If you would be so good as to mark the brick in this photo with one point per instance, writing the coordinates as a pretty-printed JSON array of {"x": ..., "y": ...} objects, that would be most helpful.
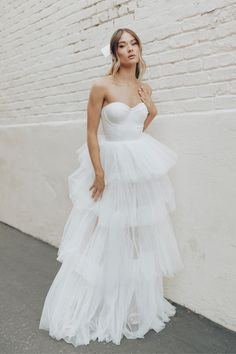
[{"x": 52, "y": 54}]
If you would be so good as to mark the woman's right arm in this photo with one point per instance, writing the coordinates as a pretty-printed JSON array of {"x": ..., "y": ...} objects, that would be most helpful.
[{"x": 94, "y": 106}]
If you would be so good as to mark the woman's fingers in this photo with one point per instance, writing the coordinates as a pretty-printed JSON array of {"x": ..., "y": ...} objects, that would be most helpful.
[
  {"x": 142, "y": 92},
  {"x": 97, "y": 187},
  {"x": 94, "y": 192},
  {"x": 97, "y": 195},
  {"x": 97, "y": 192}
]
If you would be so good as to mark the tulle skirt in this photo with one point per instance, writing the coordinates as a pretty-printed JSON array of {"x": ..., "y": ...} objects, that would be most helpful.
[{"x": 116, "y": 250}]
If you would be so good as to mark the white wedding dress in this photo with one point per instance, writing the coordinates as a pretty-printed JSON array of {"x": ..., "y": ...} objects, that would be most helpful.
[{"x": 115, "y": 251}]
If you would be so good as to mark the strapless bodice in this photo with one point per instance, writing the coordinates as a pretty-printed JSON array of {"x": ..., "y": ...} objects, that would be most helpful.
[{"x": 122, "y": 122}]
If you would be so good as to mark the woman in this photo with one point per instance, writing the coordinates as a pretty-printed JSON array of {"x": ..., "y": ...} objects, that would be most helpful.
[{"x": 118, "y": 241}]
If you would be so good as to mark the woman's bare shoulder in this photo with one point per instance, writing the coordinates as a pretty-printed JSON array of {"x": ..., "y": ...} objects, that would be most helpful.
[
  {"x": 99, "y": 88},
  {"x": 102, "y": 82}
]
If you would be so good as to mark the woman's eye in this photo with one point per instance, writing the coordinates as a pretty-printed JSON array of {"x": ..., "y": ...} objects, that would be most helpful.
[{"x": 121, "y": 46}]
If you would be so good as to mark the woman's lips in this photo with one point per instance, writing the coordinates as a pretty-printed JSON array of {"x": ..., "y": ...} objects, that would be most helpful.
[{"x": 131, "y": 56}]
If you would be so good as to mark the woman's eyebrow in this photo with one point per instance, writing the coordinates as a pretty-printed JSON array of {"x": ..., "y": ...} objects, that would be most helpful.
[{"x": 125, "y": 41}]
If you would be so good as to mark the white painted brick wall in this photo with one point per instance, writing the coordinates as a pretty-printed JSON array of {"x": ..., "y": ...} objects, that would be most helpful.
[{"x": 50, "y": 55}]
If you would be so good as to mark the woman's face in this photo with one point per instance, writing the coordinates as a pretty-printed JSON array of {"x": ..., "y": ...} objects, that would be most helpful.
[{"x": 128, "y": 46}]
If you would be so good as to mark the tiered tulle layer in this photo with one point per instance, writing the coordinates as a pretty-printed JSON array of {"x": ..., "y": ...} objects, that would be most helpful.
[{"x": 114, "y": 251}]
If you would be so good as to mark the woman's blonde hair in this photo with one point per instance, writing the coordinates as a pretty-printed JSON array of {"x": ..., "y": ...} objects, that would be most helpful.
[{"x": 140, "y": 66}]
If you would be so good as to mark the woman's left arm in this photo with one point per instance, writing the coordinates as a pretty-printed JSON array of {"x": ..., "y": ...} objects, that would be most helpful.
[{"x": 145, "y": 92}]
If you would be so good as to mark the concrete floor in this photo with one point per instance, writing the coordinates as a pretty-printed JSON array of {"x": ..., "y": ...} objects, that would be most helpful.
[{"x": 28, "y": 267}]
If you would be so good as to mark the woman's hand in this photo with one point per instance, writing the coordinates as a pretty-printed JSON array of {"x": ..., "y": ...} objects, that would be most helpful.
[
  {"x": 145, "y": 95},
  {"x": 98, "y": 186}
]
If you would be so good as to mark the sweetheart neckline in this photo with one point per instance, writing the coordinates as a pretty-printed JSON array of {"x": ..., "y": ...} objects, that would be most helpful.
[{"x": 123, "y": 104}]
